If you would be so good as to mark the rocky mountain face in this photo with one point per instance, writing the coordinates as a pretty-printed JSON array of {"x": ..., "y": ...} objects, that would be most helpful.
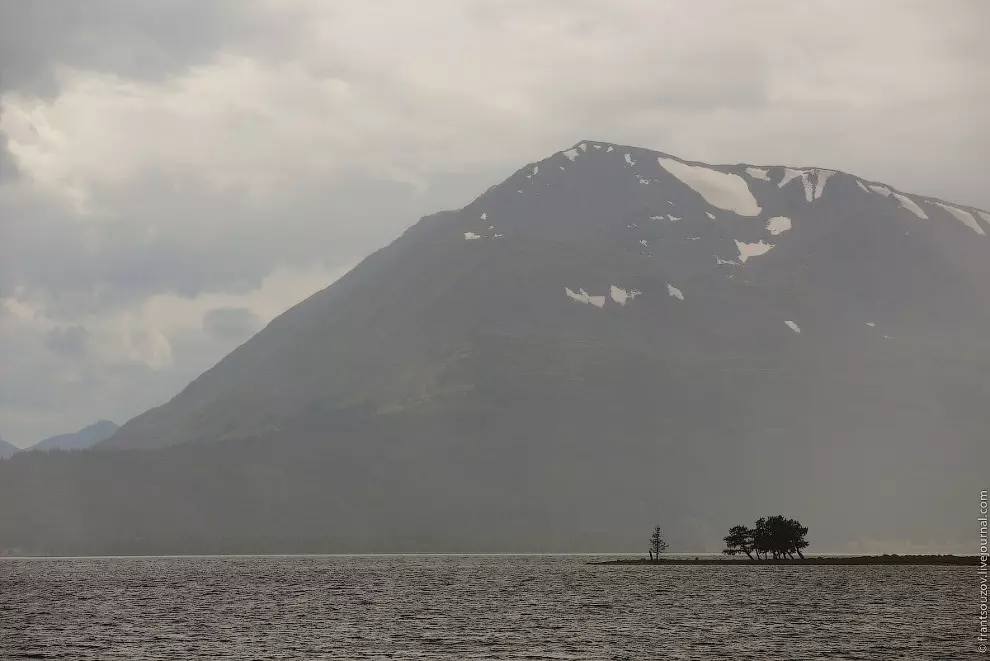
[
  {"x": 610, "y": 338},
  {"x": 86, "y": 437}
]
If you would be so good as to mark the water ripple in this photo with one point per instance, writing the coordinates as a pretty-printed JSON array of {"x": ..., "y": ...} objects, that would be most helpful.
[{"x": 476, "y": 607}]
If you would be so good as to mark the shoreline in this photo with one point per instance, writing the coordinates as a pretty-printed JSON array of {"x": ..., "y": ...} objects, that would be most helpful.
[{"x": 943, "y": 560}]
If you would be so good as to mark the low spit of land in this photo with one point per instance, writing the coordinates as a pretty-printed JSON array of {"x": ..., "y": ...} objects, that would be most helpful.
[{"x": 811, "y": 560}]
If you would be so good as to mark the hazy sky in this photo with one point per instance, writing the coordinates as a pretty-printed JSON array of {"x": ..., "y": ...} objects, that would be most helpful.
[{"x": 175, "y": 174}]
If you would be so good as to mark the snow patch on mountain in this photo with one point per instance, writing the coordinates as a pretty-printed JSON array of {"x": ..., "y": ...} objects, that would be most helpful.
[
  {"x": 910, "y": 205},
  {"x": 823, "y": 177},
  {"x": 571, "y": 154},
  {"x": 813, "y": 190},
  {"x": 793, "y": 326},
  {"x": 789, "y": 175},
  {"x": 758, "y": 173},
  {"x": 621, "y": 296},
  {"x": 883, "y": 190},
  {"x": 674, "y": 292},
  {"x": 862, "y": 187},
  {"x": 778, "y": 225},
  {"x": 710, "y": 215},
  {"x": 750, "y": 250},
  {"x": 873, "y": 325},
  {"x": 474, "y": 236},
  {"x": 720, "y": 189},
  {"x": 629, "y": 159},
  {"x": 964, "y": 216},
  {"x": 616, "y": 293},
  {"x": 584, "y": 297}
]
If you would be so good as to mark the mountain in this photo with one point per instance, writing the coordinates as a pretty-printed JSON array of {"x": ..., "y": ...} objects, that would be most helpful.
[
  {"x": 611, "y": 338},
  {"x": 80, "y": 440},
  {"x": 7, "y": 450}
]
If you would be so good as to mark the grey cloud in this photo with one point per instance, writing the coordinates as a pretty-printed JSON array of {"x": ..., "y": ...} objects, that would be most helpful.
[
  {"x": 34, "y": 405},
  {"x": 131, "y": 38},
  {"x": 231, "y": 323},
  {"x": 43, "y": 394},
  {"x": 69, "y": 341},
  {"x": 8, "y": 169},
  {"x": 190, "y": 243}
]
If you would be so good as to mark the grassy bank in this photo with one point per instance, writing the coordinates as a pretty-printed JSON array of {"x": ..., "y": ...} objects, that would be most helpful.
[{"x": 815, "y": 560}]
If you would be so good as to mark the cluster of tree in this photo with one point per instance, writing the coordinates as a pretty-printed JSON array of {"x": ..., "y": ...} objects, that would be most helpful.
[{"x": 772, "y": 537}]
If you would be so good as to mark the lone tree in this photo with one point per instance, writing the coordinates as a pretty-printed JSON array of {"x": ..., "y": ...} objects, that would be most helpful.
[
  {"x": 772, "y": 537},
  {"x": 657, "y": 544}
]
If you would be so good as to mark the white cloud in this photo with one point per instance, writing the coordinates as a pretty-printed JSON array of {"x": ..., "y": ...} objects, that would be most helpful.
[
  {"x": 358, "y": 89},
  {"x": 143, "y": 330}
]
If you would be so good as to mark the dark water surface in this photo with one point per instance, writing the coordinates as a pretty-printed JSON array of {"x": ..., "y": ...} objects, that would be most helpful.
[{"x": 478, "y": 607}]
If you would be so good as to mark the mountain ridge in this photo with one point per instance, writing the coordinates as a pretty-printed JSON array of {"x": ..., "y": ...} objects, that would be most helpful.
[
  {"x": 622, "y": 148},
  {"x": 81, "y": 439},
  {"x": 7, "y": 449}
]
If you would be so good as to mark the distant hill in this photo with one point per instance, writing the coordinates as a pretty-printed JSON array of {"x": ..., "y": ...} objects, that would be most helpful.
[
  {"x": 80, "y": 440},
  {"x": 611, "y": 338},
  {"x": 7, "y": 449}
]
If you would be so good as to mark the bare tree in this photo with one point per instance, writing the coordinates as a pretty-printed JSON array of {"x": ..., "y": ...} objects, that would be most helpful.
[{"x": 657, "y": 544}]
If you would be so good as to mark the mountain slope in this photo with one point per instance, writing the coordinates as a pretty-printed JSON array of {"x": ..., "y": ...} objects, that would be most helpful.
[
  {"x": 7, "y": 450},
  {"x": 80, "y": 440},
  {"x": 610, "y": 336}
]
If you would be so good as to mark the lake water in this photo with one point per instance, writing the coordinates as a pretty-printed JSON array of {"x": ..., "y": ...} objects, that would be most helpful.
[{"x": 478, "y": 607}]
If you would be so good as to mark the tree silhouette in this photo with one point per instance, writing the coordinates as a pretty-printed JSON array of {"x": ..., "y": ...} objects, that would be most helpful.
[
  {"x": 762, "y": 538},
  {"x": 772, "y": 537},
  {"x": 657, "y": 544},
  {"x": 739, "y": 540},
  {"x": 795, "y": 537}
]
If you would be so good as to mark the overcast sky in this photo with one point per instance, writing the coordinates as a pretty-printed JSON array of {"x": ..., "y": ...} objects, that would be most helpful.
[{"x": 175, "y": 174}]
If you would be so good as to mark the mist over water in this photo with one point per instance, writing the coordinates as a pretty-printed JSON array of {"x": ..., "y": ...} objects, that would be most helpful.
[{"x": 476, "y": 607}]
